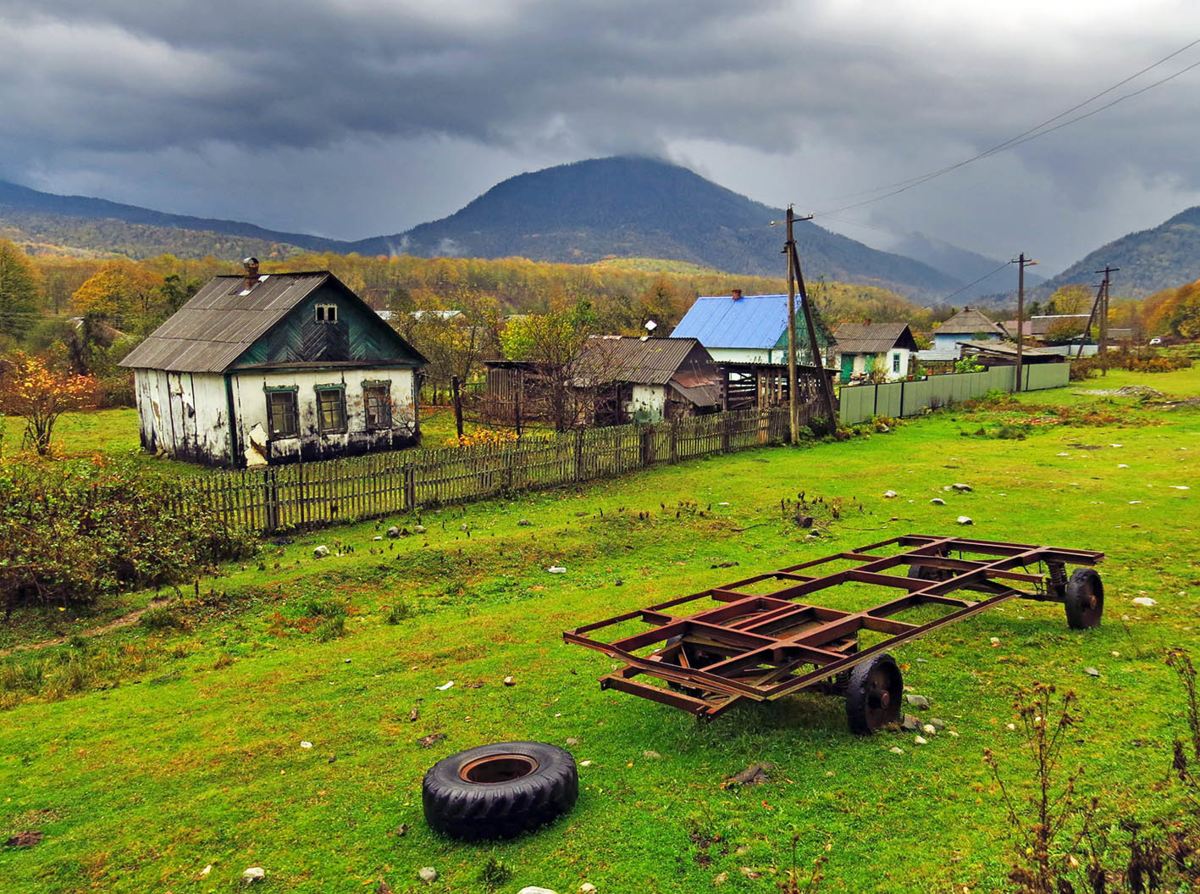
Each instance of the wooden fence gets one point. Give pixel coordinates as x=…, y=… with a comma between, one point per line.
x=345, y=490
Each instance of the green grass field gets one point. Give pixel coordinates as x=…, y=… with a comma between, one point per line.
x=149, y=751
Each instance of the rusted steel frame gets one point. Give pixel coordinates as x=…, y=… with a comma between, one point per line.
x=853, y=623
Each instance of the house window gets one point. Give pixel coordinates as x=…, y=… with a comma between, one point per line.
x=377, y=404
x=282, y=414
x=331, y=408
x=326, y=313
x=896, y=362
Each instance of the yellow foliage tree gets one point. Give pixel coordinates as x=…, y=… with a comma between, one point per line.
x=39, y=395
x=119, y=292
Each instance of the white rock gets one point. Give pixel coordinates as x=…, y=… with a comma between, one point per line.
x=896, y=750
x=557, y=569
x=253, y=874
x=585, y=763
x=1122, y=465
x=1180, y=487
x=428, y=874
x=445, y=686
x=1144, y=600
x=376, y=538
x=920, y=740
x=321, y=551
x=534, y=889
x=1091, y=671
x=510, y=681
x=1011, y=726
x=651, y=755
x=306, y=744
x=889, y=494
x=419, y=529
x=965, y=520
x=722, y=504
x=929, y=729
x=1116, y=445
x=1062, y=454
x=953, y=733
x=1134, y=502
x=938, y=501
x=587, y=888
x=205, y=871
x=962, y=487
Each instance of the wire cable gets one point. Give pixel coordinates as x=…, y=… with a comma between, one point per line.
x=977, y=282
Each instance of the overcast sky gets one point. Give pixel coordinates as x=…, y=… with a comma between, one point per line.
x=352, y=118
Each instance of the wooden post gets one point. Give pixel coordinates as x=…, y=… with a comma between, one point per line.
x=825, y=380
x=1020, y=316
x=793, y=397
x=519, y=392
x=458, y=422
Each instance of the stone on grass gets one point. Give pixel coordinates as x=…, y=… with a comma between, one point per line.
x=1091, y=671
x=534, y=889
x=524, y=523
x=910, y=723
x=573, y=741
x=917, y=701
x=253, y=874
x=938, y=501
x=651, y=755
x=929, y=729
x=889, y=494
x=510, y=681
x=1144, y=600
x=920, y=740
x=896, y=750
x=961, y=487
x=419, y=529
x=321, y=551
x=587, y=888
x=937, y=724
x=428, y=874
x=965, y=520
x=393, y=531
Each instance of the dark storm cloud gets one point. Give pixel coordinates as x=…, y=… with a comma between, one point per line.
x=158, y=102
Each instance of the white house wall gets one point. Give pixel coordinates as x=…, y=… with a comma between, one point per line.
x=746, y=355
x=183, y=415
x=250, y=409
x=650, y=400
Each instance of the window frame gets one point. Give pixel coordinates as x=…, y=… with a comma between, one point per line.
x=292, y=391
x=896, y=362
x=384, y=386
x=325, y=313
x=340, y=390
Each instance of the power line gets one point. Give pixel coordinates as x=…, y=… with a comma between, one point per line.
x=977, y=282
x=1026, y=135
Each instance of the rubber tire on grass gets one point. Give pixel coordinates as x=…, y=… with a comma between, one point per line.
x=1084, y=599
x=462, y=808
x=863, y=711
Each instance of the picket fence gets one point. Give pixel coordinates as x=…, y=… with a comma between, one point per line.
x=345, y=490
x=860, y=402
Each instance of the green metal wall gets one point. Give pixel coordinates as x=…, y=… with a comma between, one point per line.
x=861, y=402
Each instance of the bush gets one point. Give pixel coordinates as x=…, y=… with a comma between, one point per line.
x=331, y=629
x=77, y=530
x=401, y=611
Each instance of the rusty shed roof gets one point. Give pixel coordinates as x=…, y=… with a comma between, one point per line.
x=873, y=338
x=223, y=319
x=650, y=361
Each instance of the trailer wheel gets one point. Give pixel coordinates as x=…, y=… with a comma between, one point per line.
x=499, y=791
x=873, y=694
x=1084, y=599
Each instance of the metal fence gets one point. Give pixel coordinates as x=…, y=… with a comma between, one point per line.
x=861, y=402
x=344, y=490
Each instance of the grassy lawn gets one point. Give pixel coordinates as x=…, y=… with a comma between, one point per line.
x=147, y=752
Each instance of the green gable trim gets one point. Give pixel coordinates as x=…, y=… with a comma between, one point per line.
x=274, y=388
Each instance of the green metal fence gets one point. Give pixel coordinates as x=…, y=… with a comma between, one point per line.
x=861, y=402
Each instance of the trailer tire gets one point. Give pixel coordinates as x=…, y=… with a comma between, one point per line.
x=1084, y=599
x=500, y=790
x=873, y=694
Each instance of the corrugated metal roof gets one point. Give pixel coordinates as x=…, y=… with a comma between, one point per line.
x=968, y=321
x=700, y=395
x=873, y=338
x=753, y=321
x=221, y=321
x=628, y=359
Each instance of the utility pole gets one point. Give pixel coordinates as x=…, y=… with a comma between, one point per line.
x=1103, y=340
x=1022, y=263
x=793, y=405
x=823, y=380
x=1087, y=329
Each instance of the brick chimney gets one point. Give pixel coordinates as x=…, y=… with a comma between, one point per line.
x=251, y=265
x=736, y=294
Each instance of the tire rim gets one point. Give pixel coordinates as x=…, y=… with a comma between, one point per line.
x=882, y=697
x=496, y=768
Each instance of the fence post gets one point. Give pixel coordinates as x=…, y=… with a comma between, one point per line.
x=410, y=488
x=578, y=454
x=725, y=423
x=674, y=429
x=271, y=499
x=647, y=446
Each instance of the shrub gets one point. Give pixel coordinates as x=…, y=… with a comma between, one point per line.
x=160, y=618
x=76, y=530
x=331, y=628
x=401, y=611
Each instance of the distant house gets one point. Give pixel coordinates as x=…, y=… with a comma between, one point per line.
x=862, y=346
x=748, y=329
x=994, y=353
x=274, y=368
x=966, y=325
x=614, y=380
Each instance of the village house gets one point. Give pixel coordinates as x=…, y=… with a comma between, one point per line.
x=614, y=380
x=275, y=368
x=966, y=325
x=863, y=348
x=741, y=328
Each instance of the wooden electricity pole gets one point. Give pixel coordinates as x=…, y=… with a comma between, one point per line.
x=1022, y=264
x=1103, y=340
x=824, y=383
x=793, y=405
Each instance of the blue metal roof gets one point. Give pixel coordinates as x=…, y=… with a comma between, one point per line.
x=753, y=321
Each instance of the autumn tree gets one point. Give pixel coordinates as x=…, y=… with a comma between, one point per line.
x=122, y=293
x=1070, y=300
x=552, y=343
x=1176, y=313
x=455, y=339
x=18, y=291
x=40, y=395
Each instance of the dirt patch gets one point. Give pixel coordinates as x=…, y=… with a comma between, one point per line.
x=27, y=838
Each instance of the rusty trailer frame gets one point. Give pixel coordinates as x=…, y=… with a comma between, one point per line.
x=765, y=646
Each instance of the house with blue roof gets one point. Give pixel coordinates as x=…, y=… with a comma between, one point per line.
x=741, y=328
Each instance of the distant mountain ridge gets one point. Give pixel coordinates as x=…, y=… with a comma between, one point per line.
x=966, y=266
x=1163, y=257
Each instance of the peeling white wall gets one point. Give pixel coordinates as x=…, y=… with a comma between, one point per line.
x=183, y=415
x=651, y=399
